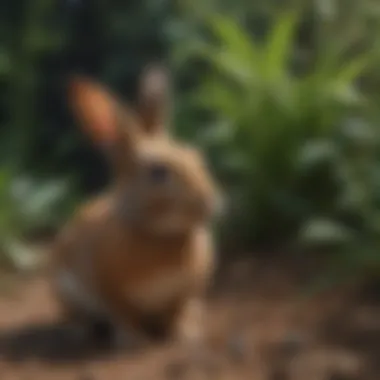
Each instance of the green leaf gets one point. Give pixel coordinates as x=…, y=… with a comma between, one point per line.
x=322, y=231
x=220, y=98
x=236, y=41
x=20, y=255
x=316, y=153
x=279, y=47
x=353, y=69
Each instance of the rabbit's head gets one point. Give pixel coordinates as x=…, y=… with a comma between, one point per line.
x=162, y=184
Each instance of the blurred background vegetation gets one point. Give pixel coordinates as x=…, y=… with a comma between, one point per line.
x=283, y=96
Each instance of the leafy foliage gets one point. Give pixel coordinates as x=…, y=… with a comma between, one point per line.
x=295, y=150
x=27, y=205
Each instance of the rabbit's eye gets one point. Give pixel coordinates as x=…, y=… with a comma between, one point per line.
x=158, y=173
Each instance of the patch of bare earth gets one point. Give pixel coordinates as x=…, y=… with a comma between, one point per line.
x=258, y=327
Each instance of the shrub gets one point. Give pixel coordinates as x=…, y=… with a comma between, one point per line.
x=26, y=206
x=295, y=150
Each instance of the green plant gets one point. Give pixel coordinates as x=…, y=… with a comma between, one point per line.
x=26, y=205
x=296, y=151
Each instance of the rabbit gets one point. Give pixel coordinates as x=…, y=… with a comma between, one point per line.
x=141, y=254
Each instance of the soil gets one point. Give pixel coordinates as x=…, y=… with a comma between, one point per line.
x=259, y=326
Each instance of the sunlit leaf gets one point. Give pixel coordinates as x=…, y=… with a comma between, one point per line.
x=279, y=46
x=236, y=41
x=324, y=232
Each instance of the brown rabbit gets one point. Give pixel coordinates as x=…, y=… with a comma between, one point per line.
x=141, y=254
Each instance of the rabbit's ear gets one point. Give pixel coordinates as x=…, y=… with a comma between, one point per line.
x=154, y=99
x=99, y=112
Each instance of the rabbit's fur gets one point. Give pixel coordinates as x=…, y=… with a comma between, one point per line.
x=142, y=252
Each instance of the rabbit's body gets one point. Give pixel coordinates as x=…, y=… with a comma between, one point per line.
x=142, y=253
x=105, y=265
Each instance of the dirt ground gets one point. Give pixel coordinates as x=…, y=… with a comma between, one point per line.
x=258, y=327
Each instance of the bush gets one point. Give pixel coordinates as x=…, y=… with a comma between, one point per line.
x=26, y=207
x=296, y=151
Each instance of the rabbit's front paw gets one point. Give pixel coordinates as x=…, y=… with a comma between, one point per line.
x=189, y=326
